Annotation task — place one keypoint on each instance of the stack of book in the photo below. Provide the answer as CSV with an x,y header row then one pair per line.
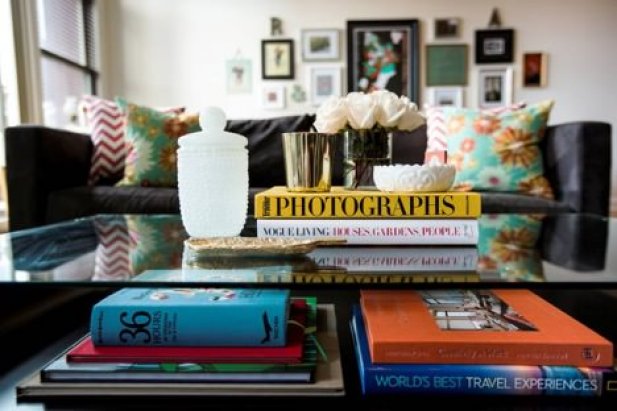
x,y
183,338
370,217
480,342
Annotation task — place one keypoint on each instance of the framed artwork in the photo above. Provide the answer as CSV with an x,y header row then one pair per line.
x,y
494,87
534,69
446,96
383,55
321,44
447,28
273,97
494,46
324,82
446,65
277,59
239,76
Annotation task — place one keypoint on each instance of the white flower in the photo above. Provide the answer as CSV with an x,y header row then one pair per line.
x,y
411,118
390,108
331,116
361,110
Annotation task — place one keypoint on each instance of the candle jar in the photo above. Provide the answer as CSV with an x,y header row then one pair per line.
x,y
213,182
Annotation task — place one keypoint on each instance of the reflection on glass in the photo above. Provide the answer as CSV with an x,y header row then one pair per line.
x,y
507,246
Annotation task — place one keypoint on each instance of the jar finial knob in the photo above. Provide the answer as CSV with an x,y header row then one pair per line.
x,y
212,119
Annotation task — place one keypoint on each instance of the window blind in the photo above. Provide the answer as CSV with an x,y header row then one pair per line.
x,y
68,56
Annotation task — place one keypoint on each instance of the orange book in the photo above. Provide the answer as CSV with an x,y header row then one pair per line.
x,y
510,327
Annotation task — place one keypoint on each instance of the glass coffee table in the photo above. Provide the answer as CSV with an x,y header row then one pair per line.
x,y
566,258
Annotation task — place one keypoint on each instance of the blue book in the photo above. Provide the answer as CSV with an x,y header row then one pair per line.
x,y
458,379
191,317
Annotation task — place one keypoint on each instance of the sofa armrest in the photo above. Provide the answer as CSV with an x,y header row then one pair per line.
x,y
40,160
577,162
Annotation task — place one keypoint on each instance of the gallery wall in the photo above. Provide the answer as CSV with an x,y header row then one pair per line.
x,y
165,53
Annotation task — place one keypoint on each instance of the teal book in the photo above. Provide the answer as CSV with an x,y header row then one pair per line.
x,y
191,317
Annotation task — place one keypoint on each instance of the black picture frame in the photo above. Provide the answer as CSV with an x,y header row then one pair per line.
x,y
395,38
494,46
277,59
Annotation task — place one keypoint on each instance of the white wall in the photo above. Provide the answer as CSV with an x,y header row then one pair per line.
x,y
164,52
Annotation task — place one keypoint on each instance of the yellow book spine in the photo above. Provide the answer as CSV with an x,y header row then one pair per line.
x,y
378,205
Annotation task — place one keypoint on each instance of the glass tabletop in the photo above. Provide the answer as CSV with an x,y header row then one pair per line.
x,y
514,250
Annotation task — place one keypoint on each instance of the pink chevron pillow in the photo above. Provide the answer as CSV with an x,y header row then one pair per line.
x,y
106,123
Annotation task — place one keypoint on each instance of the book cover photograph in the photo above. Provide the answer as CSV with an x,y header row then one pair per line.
x,y
510,327
339,203
473,379
191,317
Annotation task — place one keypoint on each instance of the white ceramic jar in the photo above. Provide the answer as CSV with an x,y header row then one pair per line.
x,y
213,179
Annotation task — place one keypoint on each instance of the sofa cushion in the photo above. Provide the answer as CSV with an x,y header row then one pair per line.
x,y
86,200
152,139
82,201
519,203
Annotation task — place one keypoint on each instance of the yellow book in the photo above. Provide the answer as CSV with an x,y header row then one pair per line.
x,y
277,202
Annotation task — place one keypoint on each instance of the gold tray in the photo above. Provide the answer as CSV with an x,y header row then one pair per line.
x,y
256,247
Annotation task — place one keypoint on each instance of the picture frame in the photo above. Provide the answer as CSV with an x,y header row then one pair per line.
x,y
535,69
446,65
494,46
321,44
494,87
446,97
273,97
446,28
239,73
324,81
384,55
277,59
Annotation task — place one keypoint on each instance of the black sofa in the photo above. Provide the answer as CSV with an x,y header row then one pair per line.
x,y
47,171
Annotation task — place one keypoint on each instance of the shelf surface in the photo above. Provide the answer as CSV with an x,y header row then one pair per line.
x,y
514,251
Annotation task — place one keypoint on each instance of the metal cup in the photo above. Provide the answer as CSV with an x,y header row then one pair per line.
x,y
308,161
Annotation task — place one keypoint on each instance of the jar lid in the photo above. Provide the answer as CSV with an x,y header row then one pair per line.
x,y
212,121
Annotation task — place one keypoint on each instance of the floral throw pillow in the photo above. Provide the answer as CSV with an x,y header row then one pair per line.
x,y
499,152
152,139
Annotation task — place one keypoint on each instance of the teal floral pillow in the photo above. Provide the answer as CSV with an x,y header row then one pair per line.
x,y
507,246
499,152
152,139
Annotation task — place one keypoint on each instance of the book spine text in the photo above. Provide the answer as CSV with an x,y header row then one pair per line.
x,y
417,231
381,205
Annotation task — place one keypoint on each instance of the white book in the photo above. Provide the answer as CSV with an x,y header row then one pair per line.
x,y
397,259
372,232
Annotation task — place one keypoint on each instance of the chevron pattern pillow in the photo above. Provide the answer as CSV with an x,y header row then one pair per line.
x,y
106,124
